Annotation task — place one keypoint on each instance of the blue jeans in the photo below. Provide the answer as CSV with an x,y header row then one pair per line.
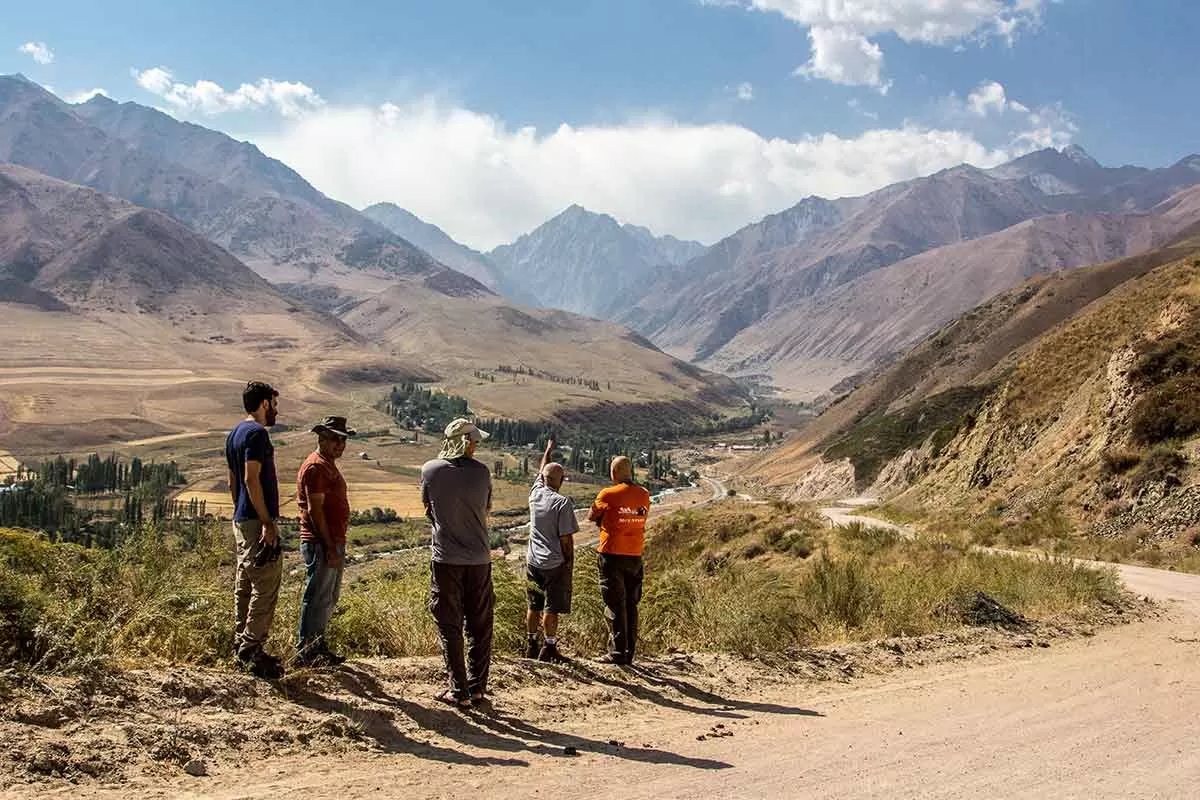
x,y
320,596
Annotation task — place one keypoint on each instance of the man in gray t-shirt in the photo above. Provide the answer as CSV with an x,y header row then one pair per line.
x,y
456,491
550,558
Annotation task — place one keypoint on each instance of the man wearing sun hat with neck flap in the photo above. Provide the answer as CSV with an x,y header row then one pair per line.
x,y
456,491
324,518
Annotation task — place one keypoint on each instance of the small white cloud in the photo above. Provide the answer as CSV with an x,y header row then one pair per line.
x,y
842,32
987,98
943,22
83,97
745,92
289,98
842,56
38,51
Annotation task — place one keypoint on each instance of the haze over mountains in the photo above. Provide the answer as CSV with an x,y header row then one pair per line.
x,y
111,284
436,242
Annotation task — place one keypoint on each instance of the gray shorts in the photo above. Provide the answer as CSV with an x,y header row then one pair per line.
x,y
550,589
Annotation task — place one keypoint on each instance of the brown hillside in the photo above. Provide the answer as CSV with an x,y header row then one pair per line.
x,y
1013,334
888,310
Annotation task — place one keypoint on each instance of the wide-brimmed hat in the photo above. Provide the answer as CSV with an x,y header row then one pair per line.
x,y
460,433
335,426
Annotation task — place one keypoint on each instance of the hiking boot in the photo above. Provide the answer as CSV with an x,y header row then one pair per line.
x,y
318,659
332,659
261,665
532,647
612,658
549,652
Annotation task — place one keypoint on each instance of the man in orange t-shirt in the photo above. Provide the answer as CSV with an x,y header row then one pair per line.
x,y
621,511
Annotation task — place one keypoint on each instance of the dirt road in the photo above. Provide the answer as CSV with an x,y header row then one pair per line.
x,y
843,513
1115,715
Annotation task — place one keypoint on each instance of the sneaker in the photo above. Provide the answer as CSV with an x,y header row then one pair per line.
x,y
532,647
549,652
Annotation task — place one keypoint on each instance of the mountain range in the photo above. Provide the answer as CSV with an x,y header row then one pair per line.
x,y
437,243
747,305
803,300
587,263
134,241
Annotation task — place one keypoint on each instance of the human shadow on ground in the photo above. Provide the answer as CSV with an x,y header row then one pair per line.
x,y
726,707
656,676
492,730
380,726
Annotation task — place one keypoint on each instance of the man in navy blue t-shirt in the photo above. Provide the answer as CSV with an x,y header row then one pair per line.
x,y
255,492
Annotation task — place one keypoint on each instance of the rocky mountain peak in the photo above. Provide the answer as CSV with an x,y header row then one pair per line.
x,y
1080,156
593,256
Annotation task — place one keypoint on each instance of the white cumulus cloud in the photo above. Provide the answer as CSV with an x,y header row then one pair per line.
x,y
842,56
989,108
84,96
38,51
987,98
841,31
745,92
485,182
289,98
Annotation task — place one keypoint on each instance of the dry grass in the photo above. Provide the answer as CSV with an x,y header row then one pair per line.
x,y
1064,359
752,580
1050,531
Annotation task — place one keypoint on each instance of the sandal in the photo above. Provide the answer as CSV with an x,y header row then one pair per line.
x,y
448,697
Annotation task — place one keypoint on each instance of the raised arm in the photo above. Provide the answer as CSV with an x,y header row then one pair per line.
x,y
548,455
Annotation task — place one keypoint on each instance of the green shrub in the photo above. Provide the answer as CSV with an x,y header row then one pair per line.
x,y
840,593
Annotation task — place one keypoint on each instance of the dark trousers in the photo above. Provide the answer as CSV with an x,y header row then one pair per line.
x,y
621,591
459,594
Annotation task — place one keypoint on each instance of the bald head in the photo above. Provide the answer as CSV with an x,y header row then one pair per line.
x,y
553,473
621,470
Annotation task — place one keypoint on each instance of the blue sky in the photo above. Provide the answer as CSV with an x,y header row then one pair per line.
x,y
691,116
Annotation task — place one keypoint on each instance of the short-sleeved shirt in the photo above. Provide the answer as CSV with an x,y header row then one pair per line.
x,y
457,495
249,441
621,511
319,475
551,515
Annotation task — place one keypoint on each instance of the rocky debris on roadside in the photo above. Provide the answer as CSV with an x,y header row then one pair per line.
x,y
1164,515
196,768
986,610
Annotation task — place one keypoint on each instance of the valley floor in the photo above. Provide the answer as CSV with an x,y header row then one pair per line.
x,y
1111,713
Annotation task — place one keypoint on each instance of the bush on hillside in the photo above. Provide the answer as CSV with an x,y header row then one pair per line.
x,y
1163,464
1118,461
1170,410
